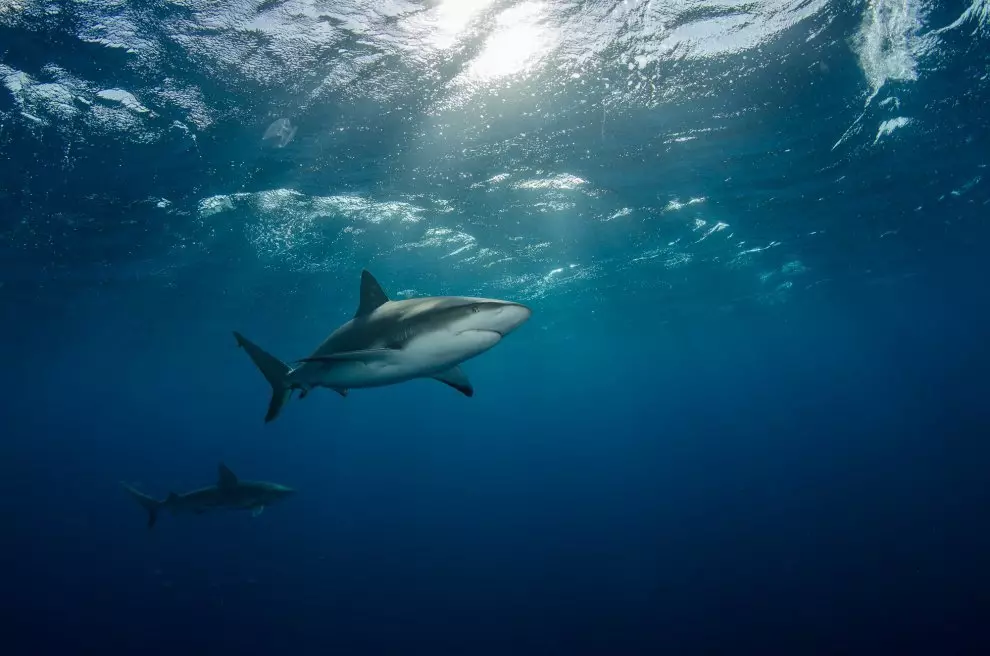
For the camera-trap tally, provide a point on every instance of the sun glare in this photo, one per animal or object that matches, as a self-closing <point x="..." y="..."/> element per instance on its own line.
<point x="517" y="43"/>
<point x="450" y="19"/>
<point x="519" y="38"/>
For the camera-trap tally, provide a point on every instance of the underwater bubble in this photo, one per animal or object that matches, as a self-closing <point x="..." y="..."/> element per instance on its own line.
<point x="279" y="133"/>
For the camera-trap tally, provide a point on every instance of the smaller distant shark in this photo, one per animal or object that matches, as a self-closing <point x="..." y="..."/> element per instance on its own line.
<point x="229" y="493"/>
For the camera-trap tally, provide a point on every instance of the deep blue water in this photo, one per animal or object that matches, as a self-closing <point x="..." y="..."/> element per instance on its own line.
<point x="748" y="415"/>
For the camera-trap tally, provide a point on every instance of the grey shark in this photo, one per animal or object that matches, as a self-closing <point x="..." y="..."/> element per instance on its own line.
<point x="230" y="493"/>
<point x="389" y="342"/>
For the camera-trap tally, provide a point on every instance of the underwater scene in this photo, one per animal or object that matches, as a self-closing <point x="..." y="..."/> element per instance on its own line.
<point x="491" y="327"/>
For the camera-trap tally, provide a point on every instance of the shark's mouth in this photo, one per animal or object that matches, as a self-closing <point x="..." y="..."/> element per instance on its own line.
<point x="482" y="330"/>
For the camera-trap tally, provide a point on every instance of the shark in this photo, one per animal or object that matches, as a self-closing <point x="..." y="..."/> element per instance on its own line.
<point x="229" y="493"/>
<point x="388" y="342"/>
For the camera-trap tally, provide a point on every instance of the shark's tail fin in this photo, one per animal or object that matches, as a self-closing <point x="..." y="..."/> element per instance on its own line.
<point x="274" y="371"/>
<point x="149" y="504"/>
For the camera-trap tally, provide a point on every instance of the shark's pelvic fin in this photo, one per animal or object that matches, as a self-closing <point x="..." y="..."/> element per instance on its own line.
<point x="366" y="355"/>
<point x="149" y="504"/>
<point x="456" y="378"/>
<point x="274" y="370"/>
<point x="372" y="295"/>
<point x="304" y="393"/>
<point x="257" y="510"/>
<point x="226" y="478"/>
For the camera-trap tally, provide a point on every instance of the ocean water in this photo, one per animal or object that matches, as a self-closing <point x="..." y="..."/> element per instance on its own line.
<point x="748" y="415"/>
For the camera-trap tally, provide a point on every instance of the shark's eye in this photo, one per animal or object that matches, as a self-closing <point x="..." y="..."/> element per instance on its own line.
<point x="476" y="308"/>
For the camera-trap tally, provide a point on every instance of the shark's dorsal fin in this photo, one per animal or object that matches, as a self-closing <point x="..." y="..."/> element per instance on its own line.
<point x="226" y="477"/>
<point x="372" y="295"/>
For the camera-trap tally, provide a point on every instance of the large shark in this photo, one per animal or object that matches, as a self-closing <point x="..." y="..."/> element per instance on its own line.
<point x="229" y="493"/>
<point x="390" y="342"/>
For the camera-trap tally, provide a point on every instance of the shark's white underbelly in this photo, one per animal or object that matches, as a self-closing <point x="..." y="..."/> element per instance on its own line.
<point x="424" y="357"/>
<point x="355" y="375"/>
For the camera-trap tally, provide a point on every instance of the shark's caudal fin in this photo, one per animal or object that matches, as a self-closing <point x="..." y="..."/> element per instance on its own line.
<point x="274" y="371"/>
<point x="149" y="504"/>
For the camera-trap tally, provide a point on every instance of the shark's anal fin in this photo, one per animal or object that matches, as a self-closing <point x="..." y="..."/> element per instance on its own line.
<point x="257" y="510"/>
<point x="456" y="378"/>
<point x="225" y="477"/>
<point x="367" y="355"/>
<point x="372" y="295"/>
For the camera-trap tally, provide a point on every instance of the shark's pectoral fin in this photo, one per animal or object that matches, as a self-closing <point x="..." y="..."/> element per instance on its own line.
<point x="456" y="378"/>
<point x="367" y="355"/>
<point x="257" y="510"/>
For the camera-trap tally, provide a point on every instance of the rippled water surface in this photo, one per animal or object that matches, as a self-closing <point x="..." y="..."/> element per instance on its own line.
<point x="541" y="149"/>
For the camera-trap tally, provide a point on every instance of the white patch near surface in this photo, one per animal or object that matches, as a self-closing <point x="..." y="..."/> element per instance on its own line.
<point x="125" y="98"/>
<point x="887" y="127"/>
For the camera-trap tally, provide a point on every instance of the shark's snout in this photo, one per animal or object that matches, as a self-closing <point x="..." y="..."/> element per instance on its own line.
<point x="276" y="492"/>
<point x="510" y="316"/>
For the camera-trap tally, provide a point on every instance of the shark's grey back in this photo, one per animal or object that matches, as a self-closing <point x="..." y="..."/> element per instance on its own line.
<point x="226" y="495"/>
<point x="383" y="324"/>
